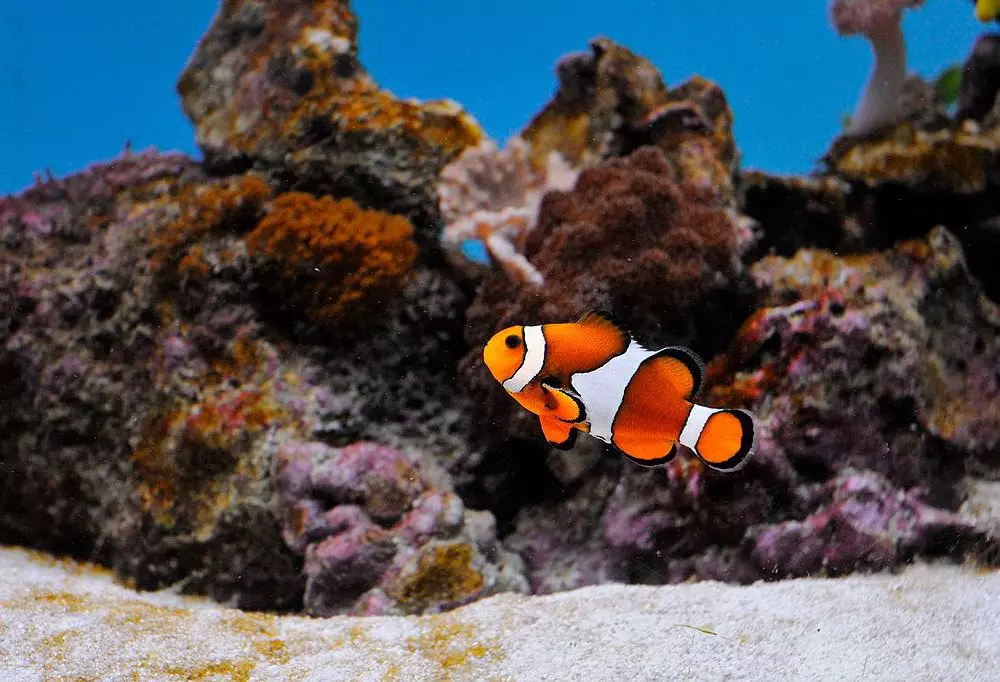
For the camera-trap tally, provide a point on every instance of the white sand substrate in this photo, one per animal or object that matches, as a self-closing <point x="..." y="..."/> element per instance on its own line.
<point x="60" y="620"/>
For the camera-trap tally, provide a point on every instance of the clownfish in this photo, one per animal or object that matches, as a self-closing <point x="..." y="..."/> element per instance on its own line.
<point x="592" y="376"/>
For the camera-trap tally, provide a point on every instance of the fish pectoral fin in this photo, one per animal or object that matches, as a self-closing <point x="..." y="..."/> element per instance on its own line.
<point x="559" y="434"/>
<point x="565" y="404"/>
<point x="681" y="368"/>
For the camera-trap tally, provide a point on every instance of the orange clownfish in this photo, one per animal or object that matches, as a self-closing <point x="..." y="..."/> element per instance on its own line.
<point x="592" y="376"/>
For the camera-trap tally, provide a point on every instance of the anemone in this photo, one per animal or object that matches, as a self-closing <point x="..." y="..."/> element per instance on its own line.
<point x="880" y="21"/>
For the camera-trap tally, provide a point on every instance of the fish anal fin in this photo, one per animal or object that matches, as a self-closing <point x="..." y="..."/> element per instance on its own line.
<point x="650" y="461"/>
<point x="679" y="367"/>
<point x="566" y="405"/>
<point x="558" y="433"/>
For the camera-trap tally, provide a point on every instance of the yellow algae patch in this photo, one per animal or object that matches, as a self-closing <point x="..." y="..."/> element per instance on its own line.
<point x="259" y="630"/>
<point x="141" y="618"/>
<point x="274" y="650"/>
<point x="444" y="574"/>
<point x="237" y="671"/>
<point x="455" y="646"/>
<point x="67" y="564"/>
<point x="53" y="648"/>
<point x="250" y="624"/>
<point x="71" y="603"/>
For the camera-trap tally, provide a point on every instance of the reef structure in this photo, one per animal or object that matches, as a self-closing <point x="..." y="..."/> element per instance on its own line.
<point x="259" y="377"/>
<point x="279" y="87"/>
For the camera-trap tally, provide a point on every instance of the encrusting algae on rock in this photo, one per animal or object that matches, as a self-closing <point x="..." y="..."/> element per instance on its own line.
<point x="332" y="258"/>
<point x="232" y="205"/>
<point x="444" y="573"/>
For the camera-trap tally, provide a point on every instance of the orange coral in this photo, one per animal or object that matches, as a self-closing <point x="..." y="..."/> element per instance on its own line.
<point x="204" y="208"/>
<point x="332" y="257"/>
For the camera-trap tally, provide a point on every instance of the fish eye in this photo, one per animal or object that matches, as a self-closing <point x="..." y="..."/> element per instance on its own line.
<point x="512" y="341"/>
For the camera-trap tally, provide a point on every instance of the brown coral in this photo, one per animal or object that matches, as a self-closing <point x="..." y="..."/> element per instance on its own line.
<point x="333" y="258"/>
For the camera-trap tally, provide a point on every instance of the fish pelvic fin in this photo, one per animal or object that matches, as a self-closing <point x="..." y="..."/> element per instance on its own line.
<point x="559" y="434"/>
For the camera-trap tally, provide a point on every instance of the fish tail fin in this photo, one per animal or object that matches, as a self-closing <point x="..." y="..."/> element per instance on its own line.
<point x="724" y="439"/>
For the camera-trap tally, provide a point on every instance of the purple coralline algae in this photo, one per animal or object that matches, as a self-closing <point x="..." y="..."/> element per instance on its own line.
<point x="863" y="522"/>
<point x="381" y="536"/>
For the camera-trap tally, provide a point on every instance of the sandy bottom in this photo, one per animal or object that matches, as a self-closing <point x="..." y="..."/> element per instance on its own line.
<point x="62" y="619"/>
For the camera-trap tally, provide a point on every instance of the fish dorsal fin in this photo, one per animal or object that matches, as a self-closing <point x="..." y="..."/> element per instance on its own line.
<point x="680" y="367"/>
<point x="600" y="319"/>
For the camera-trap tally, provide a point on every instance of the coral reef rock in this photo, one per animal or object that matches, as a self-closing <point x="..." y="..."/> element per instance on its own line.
<point x="873" y="379"/>
<point x="980" y="80"/>
<point x="863" y="523"/>
<point x="953" y="160"/>
<point x="380" y="536"/>
<point x="882" y="361"/>
<point x="930" y="170"/>
<point x="611" y="102"/>
<point x="149" y="382"/>
<point x="794" y="212"/>
<point x="278" y="86"/>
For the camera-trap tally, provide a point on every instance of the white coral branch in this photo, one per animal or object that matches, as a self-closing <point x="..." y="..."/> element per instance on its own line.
<point x="494" y="196"/>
